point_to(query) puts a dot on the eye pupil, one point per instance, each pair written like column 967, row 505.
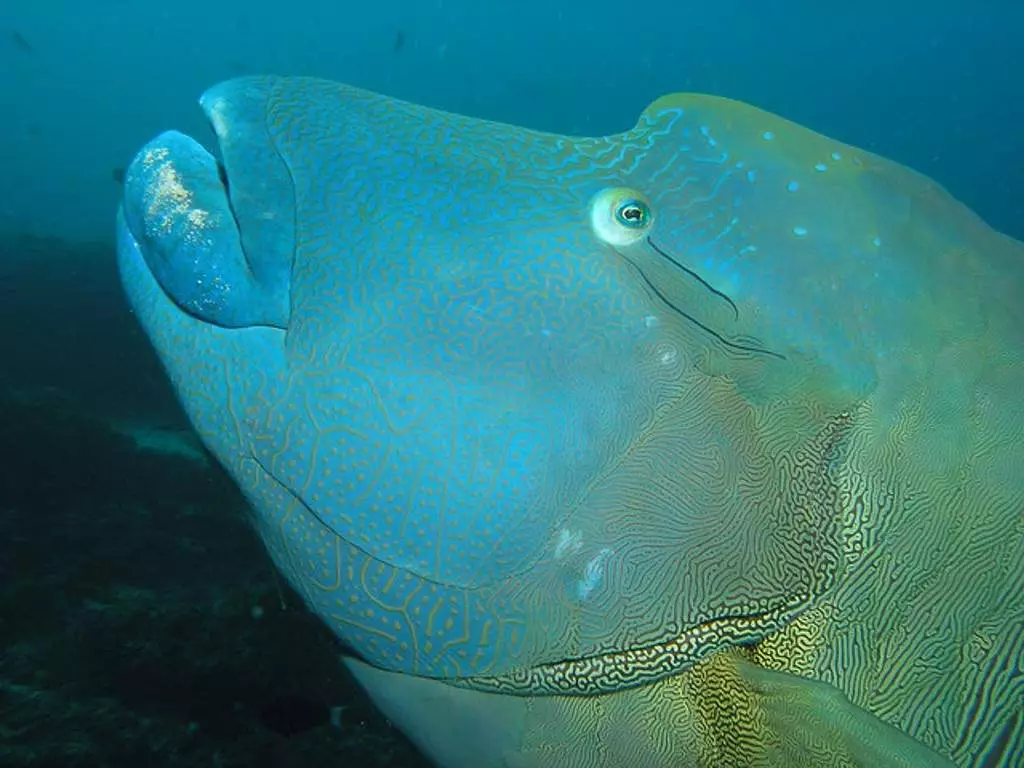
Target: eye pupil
column 633, row 215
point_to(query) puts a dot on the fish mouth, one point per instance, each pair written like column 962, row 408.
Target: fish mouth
column 217, row 233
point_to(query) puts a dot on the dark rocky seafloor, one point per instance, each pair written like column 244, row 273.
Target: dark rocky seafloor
column 141, row 621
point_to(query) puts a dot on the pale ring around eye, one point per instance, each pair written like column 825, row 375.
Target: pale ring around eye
column 620, row 216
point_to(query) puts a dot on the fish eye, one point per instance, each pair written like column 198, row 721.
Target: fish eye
column 633, row 214
column 620, row 216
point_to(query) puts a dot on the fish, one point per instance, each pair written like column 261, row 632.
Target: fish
column 696, row 444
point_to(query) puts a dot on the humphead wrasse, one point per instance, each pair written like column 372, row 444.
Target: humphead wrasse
column 696, row 445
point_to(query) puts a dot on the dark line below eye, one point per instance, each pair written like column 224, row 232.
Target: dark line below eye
column 695, row 276
column 695, row 321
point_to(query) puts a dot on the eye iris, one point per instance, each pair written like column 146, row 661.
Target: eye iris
column 632, row 214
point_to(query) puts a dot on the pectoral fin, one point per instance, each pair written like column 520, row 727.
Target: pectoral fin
column 810, row 722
